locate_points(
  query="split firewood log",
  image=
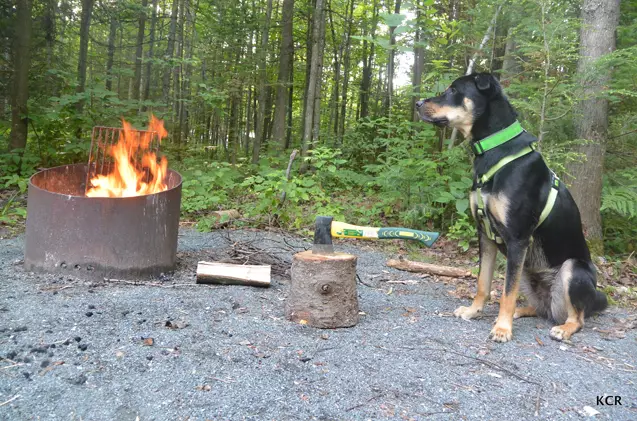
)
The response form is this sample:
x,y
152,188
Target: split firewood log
x,y
232,274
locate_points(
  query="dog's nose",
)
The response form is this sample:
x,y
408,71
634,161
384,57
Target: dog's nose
x,y
419,103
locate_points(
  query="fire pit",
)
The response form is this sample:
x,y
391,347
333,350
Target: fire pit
x,y
79,224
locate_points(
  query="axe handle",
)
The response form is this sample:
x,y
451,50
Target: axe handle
x,y
343,230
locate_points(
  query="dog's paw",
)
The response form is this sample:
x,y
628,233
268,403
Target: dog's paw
x,y
563,332
501,333
467,313
559,334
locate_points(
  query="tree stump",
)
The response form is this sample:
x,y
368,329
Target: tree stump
x,y
323,290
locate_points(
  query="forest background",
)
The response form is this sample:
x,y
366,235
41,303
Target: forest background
x,y
242,83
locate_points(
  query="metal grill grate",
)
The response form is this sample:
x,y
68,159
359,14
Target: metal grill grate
x,y
100,162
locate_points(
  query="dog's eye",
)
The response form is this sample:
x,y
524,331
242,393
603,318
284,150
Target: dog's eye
x,y
453,91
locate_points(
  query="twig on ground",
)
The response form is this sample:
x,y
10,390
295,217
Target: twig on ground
x,y
482,360
11,366
537,401
361,281
364,403
10,400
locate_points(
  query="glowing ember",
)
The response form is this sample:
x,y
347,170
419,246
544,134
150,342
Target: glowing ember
x,y
136,171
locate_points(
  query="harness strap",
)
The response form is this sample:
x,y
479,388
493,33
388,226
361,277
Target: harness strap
x,y
489,231
550,202
507,159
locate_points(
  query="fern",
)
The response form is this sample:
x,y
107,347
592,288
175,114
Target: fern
x,y
622,200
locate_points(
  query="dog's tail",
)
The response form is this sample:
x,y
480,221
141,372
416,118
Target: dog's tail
x,y
600,303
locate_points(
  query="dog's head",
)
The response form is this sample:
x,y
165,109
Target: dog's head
x,y
461,103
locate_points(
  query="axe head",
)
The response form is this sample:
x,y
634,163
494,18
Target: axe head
x,y
323,235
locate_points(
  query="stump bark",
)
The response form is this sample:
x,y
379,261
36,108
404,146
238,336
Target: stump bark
x,y
323,290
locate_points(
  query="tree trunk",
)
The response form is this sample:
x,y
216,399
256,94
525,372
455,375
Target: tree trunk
x,y
368,60
390,64
21,65
170,50
316,119
510,65
151,47
85,25
599,24
286,56
112,34
139,52
314,74
419,64
263,80
178,74
184,120
346,65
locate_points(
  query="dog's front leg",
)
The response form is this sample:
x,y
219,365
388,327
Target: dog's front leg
x,y
488,252
516,253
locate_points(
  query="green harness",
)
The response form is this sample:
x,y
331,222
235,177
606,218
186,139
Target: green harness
x,y
493,141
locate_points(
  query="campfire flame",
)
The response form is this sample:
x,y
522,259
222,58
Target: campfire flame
x,y
136,171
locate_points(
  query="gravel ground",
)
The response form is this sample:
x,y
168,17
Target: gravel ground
x,y
79,350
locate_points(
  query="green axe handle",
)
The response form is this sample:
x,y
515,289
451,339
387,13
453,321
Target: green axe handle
x,y
343,230
427,238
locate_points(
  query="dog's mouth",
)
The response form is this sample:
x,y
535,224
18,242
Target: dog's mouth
x,y
437,121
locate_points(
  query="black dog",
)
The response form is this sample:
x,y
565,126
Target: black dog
x,y
522,209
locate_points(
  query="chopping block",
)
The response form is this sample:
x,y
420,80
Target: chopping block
x,y
323,290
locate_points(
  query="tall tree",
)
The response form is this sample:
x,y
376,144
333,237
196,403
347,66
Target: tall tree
x,y
263,83
391,63
599,25
419,63
314,65
151,47
85,25
139,52
112,33
286,55
21,65
346,65
368,60
170,51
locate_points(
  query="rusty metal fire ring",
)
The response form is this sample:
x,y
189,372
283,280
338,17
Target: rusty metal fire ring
x,y
98,237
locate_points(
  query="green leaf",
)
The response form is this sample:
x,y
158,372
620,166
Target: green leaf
x,y
392,19
462,205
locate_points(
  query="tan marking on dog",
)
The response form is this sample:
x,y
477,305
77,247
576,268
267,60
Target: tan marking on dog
x,y
575,319
488,253
499,208
473,204
460,118
503,329
528,311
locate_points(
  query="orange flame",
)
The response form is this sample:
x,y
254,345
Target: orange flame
x,y
136,171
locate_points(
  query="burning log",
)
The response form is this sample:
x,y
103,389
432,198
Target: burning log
x,y
230,274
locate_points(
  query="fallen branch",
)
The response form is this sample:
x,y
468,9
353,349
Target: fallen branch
x,y
287,173
409,266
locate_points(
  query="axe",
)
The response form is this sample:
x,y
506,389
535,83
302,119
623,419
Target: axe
x,y
326,229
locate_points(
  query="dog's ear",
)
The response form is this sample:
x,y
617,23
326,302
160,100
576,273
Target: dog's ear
x,y
484,81
487,84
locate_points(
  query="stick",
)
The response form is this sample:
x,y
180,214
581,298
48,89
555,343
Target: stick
x,y
287,173
10,400
231,274
409,266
